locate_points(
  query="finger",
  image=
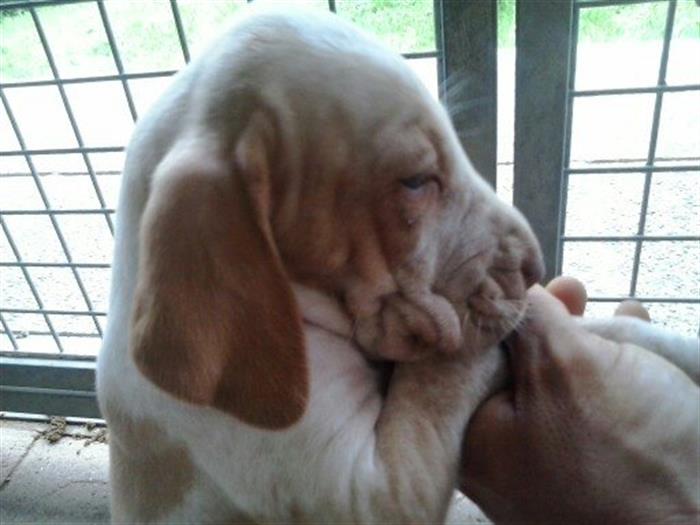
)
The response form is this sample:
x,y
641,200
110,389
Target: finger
x,y
546,341
632,308
569,291
546,313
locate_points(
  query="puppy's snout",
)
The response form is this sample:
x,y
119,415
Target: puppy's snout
x,y
533,268
532,265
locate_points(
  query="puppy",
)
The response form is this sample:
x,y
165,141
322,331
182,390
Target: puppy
x,y
293,207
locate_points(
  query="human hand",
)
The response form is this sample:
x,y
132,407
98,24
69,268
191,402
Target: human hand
x,y
591,430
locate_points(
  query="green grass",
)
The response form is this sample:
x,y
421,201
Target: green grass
x,y
144,33
404,25
146,37
623,23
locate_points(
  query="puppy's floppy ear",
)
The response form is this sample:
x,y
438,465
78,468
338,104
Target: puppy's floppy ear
x,y
215,321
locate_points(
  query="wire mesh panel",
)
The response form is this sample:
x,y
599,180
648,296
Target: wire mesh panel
x,y
607,148
76,74
629,219
74,77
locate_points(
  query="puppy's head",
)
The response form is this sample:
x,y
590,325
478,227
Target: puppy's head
x,y
308,153
379,204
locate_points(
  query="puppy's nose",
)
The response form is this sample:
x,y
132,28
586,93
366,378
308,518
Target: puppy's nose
x,y
533,268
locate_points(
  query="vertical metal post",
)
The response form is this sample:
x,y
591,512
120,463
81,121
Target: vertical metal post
x,y
568,127
71,116
542,36
117,58
180,30
651,154
468,76
32,288
8,332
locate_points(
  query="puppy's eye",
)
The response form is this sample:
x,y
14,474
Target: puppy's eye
x,y
416,181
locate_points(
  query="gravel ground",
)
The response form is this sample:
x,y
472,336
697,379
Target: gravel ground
x,y
605,128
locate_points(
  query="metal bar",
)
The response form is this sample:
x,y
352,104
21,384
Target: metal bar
x,y
58,212
568,128
45,201
26,4
632,160
620,161
634,91
611,3
73,122
30,282
421,54
469,61
64,173
117,57
153,74
46,419
48,401
17,264
544,32
439,18
331,6
87,80
668,33
63,374
180,30
62,333
8,331
5,389
646,238
45,311
678,300
52,356
631,169
62,151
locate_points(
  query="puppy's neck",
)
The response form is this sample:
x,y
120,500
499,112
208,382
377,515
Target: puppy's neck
x,y
323,311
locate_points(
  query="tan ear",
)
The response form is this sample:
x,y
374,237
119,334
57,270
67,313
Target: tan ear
x,y
215,320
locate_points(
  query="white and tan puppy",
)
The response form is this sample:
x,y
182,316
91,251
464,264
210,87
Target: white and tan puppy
x,y
295,206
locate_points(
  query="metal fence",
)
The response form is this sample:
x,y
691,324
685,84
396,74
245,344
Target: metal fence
x,y
551,96
51,330
650,166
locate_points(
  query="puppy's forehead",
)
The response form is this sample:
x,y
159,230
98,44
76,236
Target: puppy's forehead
x,y
339,81
321,55
409,144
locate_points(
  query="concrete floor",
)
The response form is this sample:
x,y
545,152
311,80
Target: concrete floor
x,y
58,477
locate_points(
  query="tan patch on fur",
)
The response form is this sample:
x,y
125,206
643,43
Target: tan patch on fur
x,y
151,475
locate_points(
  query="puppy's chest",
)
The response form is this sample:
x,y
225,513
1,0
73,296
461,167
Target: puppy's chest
x,y
337,364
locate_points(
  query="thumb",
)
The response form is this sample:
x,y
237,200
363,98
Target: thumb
x,y
545,337
571,292
633,308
